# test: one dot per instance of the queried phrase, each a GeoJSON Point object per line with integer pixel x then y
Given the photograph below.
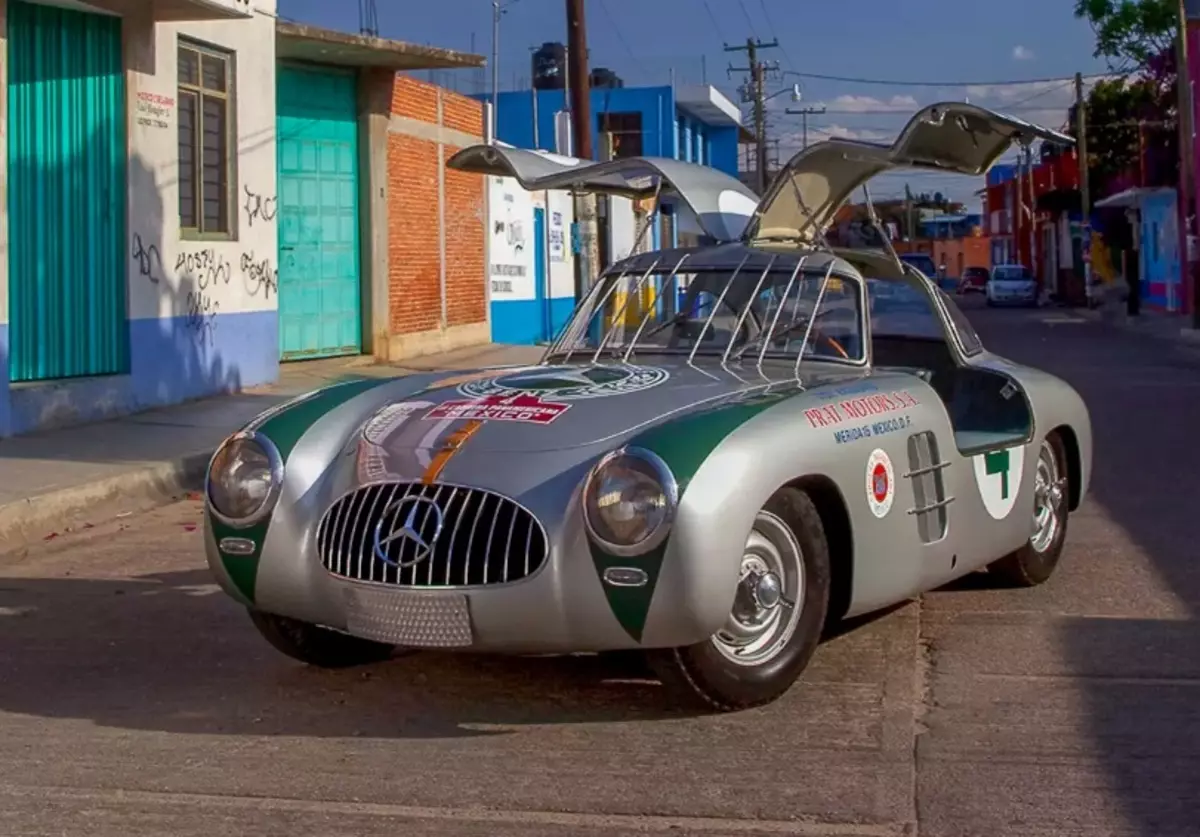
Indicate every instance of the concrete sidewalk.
{"type": "Point", "coordinates": [61, 480]}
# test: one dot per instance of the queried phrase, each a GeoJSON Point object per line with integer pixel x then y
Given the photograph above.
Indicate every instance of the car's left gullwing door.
{"type": "Point", "coordinates": [721, 205]}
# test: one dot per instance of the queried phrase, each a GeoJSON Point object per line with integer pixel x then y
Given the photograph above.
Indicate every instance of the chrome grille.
{"type": "Point", "coordinates": [484, 539]}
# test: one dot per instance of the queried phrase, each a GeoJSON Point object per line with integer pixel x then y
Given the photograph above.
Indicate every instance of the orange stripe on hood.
{"type": "Point", "coordinates": [453, 444]}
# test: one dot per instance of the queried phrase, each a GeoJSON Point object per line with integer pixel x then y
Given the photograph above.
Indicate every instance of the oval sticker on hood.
{"type": "Point", "coordinates": [570, 383]}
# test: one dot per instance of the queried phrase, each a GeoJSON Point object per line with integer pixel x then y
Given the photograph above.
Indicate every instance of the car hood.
{"type": "Point", "coordinates": [548, 408]}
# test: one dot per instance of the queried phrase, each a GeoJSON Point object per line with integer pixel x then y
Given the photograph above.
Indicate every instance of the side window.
{"type": "Point", "coordinates": [971, 344]}
{"type": "Point", "coordinates": [205, 138]}
{"type": "Point", "coordinates": [898, 309]}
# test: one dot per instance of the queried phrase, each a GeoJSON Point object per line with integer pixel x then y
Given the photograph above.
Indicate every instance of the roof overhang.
{"type": "Point", "coordinates": [708, 104]}
{"type": "Point", "coordinates": [301, 42]}
{"type": "Point", "coordinates": [1128, 198]}
{"type": "Point", "coordinates": [165, 11]}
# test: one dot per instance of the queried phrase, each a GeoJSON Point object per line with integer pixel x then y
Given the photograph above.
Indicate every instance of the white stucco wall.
{"type": "Point", "coordinates": [201, 278]}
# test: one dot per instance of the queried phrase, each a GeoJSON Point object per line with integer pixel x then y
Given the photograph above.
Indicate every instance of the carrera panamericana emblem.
{"type": "Point", "coordinates": [520, 406]}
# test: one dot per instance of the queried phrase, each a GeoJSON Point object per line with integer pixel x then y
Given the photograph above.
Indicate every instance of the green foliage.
{"type": "Point", "coordinates": [1128, 122]}
{"type": "Point", "coordinates": [1130, 33]}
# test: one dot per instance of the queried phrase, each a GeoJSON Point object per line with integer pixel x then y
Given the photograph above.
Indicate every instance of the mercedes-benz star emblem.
{"type": "Point", "coordinates": [409, 518]}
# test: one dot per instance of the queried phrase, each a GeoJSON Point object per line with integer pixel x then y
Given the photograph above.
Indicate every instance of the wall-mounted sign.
{"type": "Point", "coordinates": [510, 240]}
{"type": "Point", "coordinates": [154, 110]}
{"type": "Point", "coordinates": [558, 236]}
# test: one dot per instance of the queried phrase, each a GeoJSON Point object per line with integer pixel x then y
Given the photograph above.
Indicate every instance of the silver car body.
{"type": "Point", "coordinates": [949, 430]}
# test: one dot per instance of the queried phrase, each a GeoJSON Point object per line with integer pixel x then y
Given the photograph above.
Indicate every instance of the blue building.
{"type": "Point", "coordinates": [697, 123]}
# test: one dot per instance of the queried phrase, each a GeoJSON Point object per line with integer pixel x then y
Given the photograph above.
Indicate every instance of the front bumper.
{"type": "Point", "coordinates": [565, 607]}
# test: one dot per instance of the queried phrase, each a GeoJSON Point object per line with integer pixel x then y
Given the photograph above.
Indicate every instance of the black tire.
{"type": "Point", "coordinates": [315, 645]}
{"type": "Point", "coordinates": [702, 675]}
{"type": "Point", "coordinates": [1030, 565]}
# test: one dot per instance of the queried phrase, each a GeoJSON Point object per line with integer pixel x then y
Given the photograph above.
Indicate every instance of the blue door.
{"type": "Point", "coordinates": [66, 194]}
{"type": "Point", "coordinates": [320, 307]}
{"type": "Point", "coordinates": [541, 299]}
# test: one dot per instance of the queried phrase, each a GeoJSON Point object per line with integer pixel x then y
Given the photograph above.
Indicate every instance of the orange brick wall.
{"type": "Point", "coordinates": [414, 263]}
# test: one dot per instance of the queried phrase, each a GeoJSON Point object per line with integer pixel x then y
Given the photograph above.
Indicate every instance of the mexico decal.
{"type": "Point", "coordinates": [998, 475]}
{"type": "Point", "coordinates": [568, 384]}
{"type": "Point", "coordinates": [511, 406]}
{"type": "Point", "coordinates": [881, 483]}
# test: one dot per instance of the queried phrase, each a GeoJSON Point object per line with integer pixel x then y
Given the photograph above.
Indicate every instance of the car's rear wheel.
{"type": "Point", "coordinates": [315, 645]}
{"type": "Point", "coordinates": [778, 612]}
{"type": "Point", "coordinates": [1035, 562]}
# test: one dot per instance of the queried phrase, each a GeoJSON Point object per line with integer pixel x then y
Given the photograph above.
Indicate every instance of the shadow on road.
{"type": "Point", "coordinates": [169, 653]}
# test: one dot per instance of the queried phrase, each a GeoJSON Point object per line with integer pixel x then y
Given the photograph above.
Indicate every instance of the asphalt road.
{"type": "Point", "coordinates": [137, 700]}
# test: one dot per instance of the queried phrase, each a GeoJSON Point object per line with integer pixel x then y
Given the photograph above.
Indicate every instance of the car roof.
{"type": "Point", "coordinates": [847, 263]}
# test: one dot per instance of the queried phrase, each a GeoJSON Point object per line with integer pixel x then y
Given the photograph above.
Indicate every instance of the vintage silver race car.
{"type": "Point", "coordinates": [727, 448]}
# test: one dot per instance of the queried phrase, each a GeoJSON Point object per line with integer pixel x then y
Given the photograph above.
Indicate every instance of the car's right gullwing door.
{"type": "Point", "coordinates": [953, 137]}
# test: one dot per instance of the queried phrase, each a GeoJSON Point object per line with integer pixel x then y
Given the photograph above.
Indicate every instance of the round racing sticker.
{"type": "Point", "coordinates": [881, 483]}
{"type": "Point", "coordinates": [998, 475]}
{"type": "Point", "coordinates": [569, 384]}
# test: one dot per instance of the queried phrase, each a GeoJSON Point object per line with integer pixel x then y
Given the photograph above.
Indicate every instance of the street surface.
{"type": "Point", "coordinates": [137, 700]}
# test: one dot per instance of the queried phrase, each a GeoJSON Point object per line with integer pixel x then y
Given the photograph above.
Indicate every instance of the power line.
{"type": "Point", "coordinates": [621, 37]}
{"type": "Point", "coordinates": [1009, 83]}
{"type": "Point", "coordinates": [713, 18]}
{"type": "Point", "coordinates": [749, 21]}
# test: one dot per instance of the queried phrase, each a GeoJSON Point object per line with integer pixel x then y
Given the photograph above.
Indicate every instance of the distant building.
{"type": "Point", "coordinates": [697, 124]}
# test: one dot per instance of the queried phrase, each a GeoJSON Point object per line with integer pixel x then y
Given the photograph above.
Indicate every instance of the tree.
{"type": "Point", "coordinates": [1132, 128]}
{"type": "Point", "coordinates": [1130, 33]}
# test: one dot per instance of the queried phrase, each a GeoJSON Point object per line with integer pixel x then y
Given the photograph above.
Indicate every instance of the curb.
{"type": "Point", "coordinates": [67, 509]}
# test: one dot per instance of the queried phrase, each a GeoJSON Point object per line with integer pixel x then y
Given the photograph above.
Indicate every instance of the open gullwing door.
{"type": "Point", "coordinates": [722, 205]}
{"type": "Point", "coordinates": [953, 137]}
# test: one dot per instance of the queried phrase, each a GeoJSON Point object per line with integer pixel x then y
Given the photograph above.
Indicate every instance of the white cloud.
{"type": "Point", "coordinates": [860, 104]}
{"type": "Point", "coordinates": [792, 141]}
{"type": "Point", "coordinates": [1021, 53]}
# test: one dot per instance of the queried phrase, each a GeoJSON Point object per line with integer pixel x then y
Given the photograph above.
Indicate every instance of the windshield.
{"type": "Point", "coordinates": [1011, 274]}
{"type": "Point", "coordinates": [773, 311]}
{"type": "Point", "coordinates": [921, 262]}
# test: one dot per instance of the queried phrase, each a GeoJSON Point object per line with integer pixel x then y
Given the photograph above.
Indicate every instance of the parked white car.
{"type": "Point", "coordinates": [1011, 284]}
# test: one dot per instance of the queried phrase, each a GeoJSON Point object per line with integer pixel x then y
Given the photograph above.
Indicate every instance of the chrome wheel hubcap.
{"type": "Point", "coordinates": [1048, 490]}
{"type": "Point", "coordinates": [770, 590]}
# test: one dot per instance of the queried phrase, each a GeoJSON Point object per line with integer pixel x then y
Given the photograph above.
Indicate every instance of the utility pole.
{"type": "Point", "coordinates": [757, 71]}
{"type": "Point", "coordinates": [586, 267]}
{"type": "Point", "coordinates": [908, 214]}
{"type": "Point", "coordinates": [577, 62]}
{"type": "Point", "coordinates": [804, 113]}
{"type": "Point", "coordinates": [495, 65]}
{"type": "Point", "coordinates": [1085, 194]}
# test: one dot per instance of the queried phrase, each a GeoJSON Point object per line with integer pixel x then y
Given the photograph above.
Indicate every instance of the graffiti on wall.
{"type": "Point", "coordinates": [260, 274]}
{"type": "Point", "coordinates": [205, 273]}
{"type": "Point", "coordinates": [149, 260]}
{"type": "Point", "coordinates": [258, 206]}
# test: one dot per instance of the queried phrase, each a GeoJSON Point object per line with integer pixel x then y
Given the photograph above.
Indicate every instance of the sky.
{"type": "Point", "coordinates": [1019, 57]}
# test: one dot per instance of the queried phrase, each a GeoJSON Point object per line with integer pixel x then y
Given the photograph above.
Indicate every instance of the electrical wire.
{"type": "Point", "coordinates": [749, 20]}
{"type": "Point", "coordinates": [621, 37]}
{"type": "Point", "coordinates": [712, 17]}
{"type": "Point", "coordinates": [1009, 83]}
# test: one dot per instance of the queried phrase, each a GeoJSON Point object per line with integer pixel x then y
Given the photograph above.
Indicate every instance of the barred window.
{"type": "Point", "coordinates": [205, 127]}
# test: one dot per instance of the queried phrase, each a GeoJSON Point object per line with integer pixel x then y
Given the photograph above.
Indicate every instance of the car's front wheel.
{"type": "Point", "coordinates": [315, 645]}
{"type": "Point", "coordinates": [1035, 562]}
{"type": "Point", "coordinates": [778, 612]}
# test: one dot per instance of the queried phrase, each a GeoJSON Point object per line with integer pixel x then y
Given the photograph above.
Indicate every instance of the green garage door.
{"type": "Point", "coordinates": [66, 194]}
{"type": "Point", "coordinates": [320, 309]}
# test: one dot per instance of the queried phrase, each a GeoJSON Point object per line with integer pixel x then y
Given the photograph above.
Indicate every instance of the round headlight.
{"type": "Point", "coordinates": [244, 479]}
{"type": "Point", "coordinates": [628, 501]}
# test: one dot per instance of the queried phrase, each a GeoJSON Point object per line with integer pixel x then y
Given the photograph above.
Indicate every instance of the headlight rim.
{"type": "Point", "coordinates": [670, 487]}
{"type": "Point", "coordinates": [275, 461]}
